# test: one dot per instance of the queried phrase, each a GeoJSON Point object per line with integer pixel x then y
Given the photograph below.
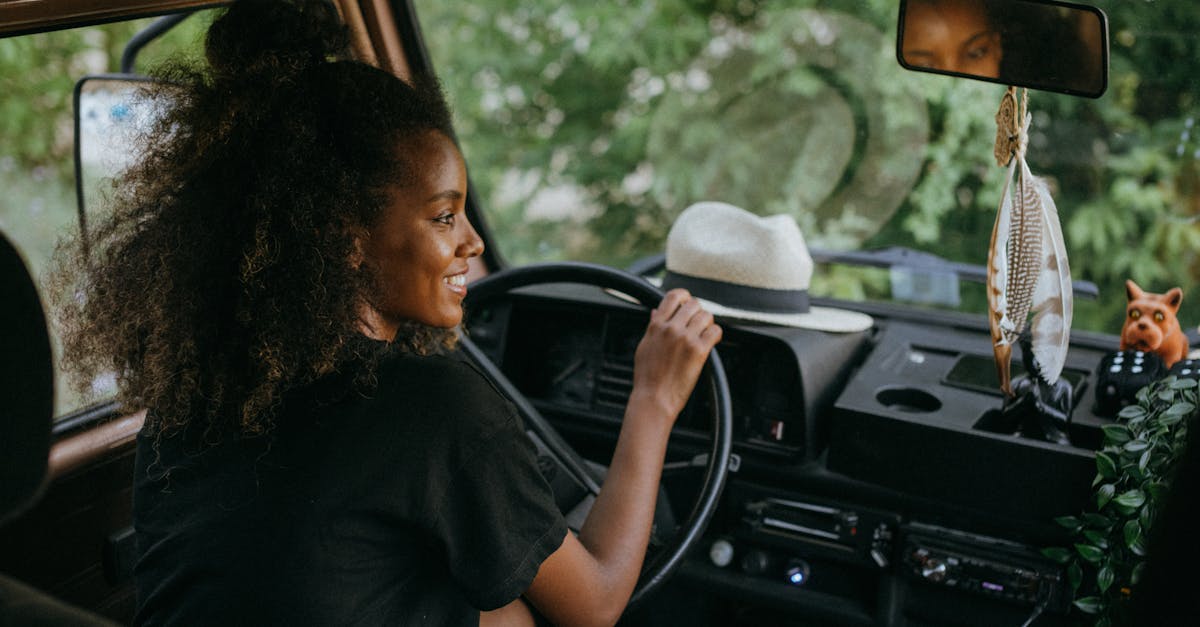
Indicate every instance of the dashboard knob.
{"type": "Point", "coordinates": [756, 562]}
{"type": "Point", "coordinates": [933, 569]}
{"type": "Point", "coordinates": [721, 553]}
{"type": "Point", "coordinates": [879, 557]}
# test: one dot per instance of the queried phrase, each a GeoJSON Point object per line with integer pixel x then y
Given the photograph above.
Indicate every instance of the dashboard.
{"type": "Point", "coordinates": [877, 482]}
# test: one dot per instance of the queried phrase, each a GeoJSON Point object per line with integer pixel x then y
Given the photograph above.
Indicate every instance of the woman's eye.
{"type": "Point", "coordinates": [445, 218]}
{"type": "Point", "coordinates": [977, 53]}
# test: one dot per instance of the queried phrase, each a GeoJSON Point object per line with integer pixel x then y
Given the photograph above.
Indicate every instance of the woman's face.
{"type": "Point", "coordinates": [422, 242]}
{"type": "Point", "coordinates": [953, 36]}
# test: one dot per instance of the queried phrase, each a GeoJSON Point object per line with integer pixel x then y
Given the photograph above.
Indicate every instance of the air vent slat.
{"type": "Point", "coordinates": [614, 383]}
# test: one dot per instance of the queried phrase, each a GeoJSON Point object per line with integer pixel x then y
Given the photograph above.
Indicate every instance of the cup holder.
{"type": "Point", "coordinates": [910, 400]}
{"type": "Point", "coordinates": [996, 421]}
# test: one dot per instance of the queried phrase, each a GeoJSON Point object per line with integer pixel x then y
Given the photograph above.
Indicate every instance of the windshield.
{"type": "Point", "coordinates": [588, 127]}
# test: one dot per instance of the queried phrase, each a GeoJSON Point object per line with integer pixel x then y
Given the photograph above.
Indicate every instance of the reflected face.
{"type": "Point", "coordinates": [952, 36]}
{"type": "Point", "coordinates": [422, 242]}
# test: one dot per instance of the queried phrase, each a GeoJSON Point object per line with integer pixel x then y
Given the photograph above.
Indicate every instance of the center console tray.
{"type": "Point", "coordinates": [903, 423]}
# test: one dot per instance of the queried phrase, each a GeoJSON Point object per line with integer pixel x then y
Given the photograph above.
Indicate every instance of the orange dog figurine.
{"type": "Point", "coordinates": [1151, 325]}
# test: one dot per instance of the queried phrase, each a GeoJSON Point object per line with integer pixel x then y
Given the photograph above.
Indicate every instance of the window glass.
{"type": "Point", "coordinates": [37, 78]}
{"type": "Point", "coordinates": [588, 127]}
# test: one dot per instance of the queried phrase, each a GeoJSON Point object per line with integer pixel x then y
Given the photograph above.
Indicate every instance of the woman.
{"type": "Point", "coordinates": [279, 283]}
{"type": "Point", "coordinates": [952, 36]}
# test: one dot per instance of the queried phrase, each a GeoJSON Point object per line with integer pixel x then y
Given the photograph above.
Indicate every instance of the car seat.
{"type": "Point", "coordinates": [26, 412]}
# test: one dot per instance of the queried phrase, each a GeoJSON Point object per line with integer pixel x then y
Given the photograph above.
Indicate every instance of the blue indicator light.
{"type": "Point", "coordinates": [797, 572]}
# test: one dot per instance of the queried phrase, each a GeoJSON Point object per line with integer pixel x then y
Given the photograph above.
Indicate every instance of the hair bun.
{"type": "Point", "coordinates": [274, 37]}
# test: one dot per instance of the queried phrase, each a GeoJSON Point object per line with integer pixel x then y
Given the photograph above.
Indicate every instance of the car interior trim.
{"type": "Point", "coordinates": [93, 445]}
{"type": "Point", "coordinates": [25, 16]}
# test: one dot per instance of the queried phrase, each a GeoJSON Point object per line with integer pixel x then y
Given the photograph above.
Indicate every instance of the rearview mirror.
{"type": "Point", "coordinates": [1039, 44]}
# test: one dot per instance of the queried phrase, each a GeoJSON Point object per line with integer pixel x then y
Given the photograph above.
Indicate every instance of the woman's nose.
{"type": "Point", "coordinates": [472, 244]}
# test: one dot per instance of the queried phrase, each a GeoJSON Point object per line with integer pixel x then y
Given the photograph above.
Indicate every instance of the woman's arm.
{"type": "Point", "coordinates": [589, 579]}
{"type": "Point", "coordinates": [515, 614]}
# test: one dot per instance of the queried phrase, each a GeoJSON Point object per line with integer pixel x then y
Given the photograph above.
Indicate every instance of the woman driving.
{"type": "Point", "coordinates": [279, 282]}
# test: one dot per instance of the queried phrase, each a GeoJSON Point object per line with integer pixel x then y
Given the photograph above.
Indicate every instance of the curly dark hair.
{"type": "Point", "coordinates": [222, 277]}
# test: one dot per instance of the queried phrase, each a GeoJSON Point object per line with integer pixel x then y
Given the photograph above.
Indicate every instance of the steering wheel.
{"type": "Point", "coordinates": [656, 570]}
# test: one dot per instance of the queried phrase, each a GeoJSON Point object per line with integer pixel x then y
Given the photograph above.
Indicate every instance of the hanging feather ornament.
{"type": "Point", "coordinates": [1027, 260]}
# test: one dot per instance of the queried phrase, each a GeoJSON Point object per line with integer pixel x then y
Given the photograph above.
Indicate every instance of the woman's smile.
{"type": "Point", "coordinates": [457, 283]}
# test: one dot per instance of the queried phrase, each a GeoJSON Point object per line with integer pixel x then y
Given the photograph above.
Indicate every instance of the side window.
{"type": "Point", "coordinates": [38, 206]}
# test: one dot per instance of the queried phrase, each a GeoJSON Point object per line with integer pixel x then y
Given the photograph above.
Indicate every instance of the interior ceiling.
{"type": "Point", "coordinates": [371, 22]}
{"type": "Point", "coordinates": [23, 16]}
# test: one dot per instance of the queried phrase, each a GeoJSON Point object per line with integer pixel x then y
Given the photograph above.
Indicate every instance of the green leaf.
{"type": "Point", "coordinates": [1097, 520]}
{"type": "Point", "coordinates": [1146, 517]}
{"type": "Point", "coordinates": [1132, 412]}
{"type": "Point", "coordinates": [1136, 446]}
{"type": "Point", "coordinates": [1105, 466]}
{"type": "Point", "coordinates": [1166, 395]}
{"type": "Point", "coordinates": [1104, 578]}
{"type": "Point", "coordinates": [1104, 495]}
{"type": "Point", "coordinates": [1131, 499]}
{"type": "Point", "coordinates": [1181, 409]}
{"type": "Point", "coordinates": [1089, 605]}
{"type": "Point", "coordinates": [1144, 460]}
{"type": "Point", "coordinates": [1143, 396]}
{"type": "Point", "coordinates": [1169, 420]}
{"type": "Point", "coordinates": [1139, 546]}
{"type": "Point", "coordinates": [1182, 384]}
{"type": "Point", "coordinates": [1057, 553]}
{"type": "Point", "coordinates": [1089, 553]}
{"type": "Point", "coordinates": [1097, 538]}
{"type": "Point", "coordinates": [1070, 522]}
{"type": "Point", "coordinates": [1133, 533]}
{"type": "Point", "coordinates": [1116, 434]}
{"type": "Point", "coordinates": [1136, 575]}
{"type": "Point", "coordinates": [1074, 576]}
{"type": "Point", "coordinates": [1157, 490]}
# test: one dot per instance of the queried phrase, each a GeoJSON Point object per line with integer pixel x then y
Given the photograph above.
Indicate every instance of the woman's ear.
{"type": "Point", "coordinates": [358, 254]}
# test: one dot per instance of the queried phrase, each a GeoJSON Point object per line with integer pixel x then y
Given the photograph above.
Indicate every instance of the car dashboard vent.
{"type": "Point", "coordinates": [614, 384]}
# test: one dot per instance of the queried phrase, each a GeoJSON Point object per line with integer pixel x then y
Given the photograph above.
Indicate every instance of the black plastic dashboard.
{"type": "Point", "coordinates": [876, 483]}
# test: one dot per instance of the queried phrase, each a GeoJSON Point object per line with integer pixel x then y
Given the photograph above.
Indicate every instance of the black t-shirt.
{"type": "Point", "coordinates": [417, 503]}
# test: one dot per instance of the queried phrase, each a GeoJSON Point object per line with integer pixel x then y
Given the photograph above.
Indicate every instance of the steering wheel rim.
{"type": "Point", "coordinates": [655, 571]}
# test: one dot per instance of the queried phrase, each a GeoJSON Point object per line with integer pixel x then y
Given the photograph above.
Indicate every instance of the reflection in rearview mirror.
{"type": "Point", "coordinates": [1038, 44]}
{"type": "Point", "coordinates": [111, 112]}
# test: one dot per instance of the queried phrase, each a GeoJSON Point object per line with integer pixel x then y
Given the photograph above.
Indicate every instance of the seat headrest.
{"type": "Point", "coordinates": [26, 385]}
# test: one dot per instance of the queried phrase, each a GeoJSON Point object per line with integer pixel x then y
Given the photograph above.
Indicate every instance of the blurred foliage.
{"type": "Point", "coordinates": [590, 126]}
{"type": "Point", "coordinates": [37, 78]}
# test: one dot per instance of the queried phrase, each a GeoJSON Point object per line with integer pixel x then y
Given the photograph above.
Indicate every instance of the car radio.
{"type": "Point", "coordinates": [983, 565]}
{"type": "Point", "coordinates": [837, 532]}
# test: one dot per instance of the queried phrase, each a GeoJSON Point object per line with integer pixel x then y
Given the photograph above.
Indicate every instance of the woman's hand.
{"type": "Point", "coordinates": [588, 580]}
{"type": "Point", "coordinates": [672, 352]}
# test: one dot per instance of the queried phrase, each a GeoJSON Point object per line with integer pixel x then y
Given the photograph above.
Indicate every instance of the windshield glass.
{"type": "Point", "coordinates": [589, 126]}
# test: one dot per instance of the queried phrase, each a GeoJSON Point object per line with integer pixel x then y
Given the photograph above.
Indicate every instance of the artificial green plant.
{"type": "Point", "coordinates": [1133, 471]}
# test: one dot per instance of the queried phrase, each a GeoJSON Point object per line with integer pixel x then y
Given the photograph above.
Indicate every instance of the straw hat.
{"type": "Point", "coordinates": [748, 267]}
